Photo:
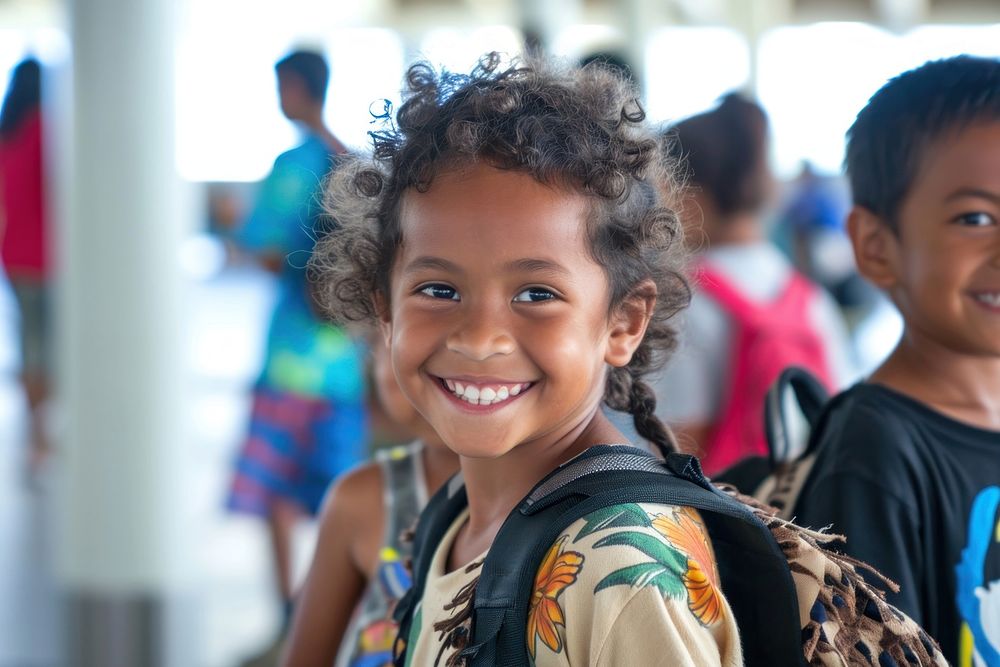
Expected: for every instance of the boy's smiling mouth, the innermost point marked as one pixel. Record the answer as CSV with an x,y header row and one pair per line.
x,y
483,393
991,299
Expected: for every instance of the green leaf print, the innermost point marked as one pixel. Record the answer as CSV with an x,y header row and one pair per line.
x,y
646,574
665,572
616,516
654,547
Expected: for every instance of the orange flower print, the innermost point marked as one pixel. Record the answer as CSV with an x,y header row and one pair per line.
x,y
684,529
557,572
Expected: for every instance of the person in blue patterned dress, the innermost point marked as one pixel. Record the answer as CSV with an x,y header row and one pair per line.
x,y
308,422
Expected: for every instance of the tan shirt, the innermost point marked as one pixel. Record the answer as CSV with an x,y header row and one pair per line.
x,y
633,585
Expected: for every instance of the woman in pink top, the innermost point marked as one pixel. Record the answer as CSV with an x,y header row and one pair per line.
x,y
752,314
23,235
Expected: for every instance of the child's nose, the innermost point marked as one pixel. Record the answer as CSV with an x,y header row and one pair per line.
x,y
481,333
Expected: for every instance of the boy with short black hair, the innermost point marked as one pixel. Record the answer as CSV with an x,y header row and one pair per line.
x,y
909,470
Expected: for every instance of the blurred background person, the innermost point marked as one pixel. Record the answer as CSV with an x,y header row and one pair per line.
x,y
752,313
810,227
308,422
24,249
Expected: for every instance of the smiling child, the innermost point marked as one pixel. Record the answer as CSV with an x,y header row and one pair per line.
x,y
513,241
912,471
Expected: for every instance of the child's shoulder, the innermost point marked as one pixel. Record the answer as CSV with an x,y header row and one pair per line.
x,y
618,551
355,493
629,564
868,414
360,493
876,433
873,414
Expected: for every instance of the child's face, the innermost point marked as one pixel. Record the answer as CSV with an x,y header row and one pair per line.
x,y
494,296
944,269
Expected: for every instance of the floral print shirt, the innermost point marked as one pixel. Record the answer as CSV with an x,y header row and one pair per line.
x,y
632,584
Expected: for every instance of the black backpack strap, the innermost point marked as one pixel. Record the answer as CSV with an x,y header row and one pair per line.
x,y
755,575
435,520
810,398
752,474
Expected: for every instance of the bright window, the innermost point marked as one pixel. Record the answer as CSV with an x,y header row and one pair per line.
x,y
814,79
229,125
577,41
689,69
459,49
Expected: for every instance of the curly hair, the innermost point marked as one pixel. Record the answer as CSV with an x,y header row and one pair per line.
x,y
578,129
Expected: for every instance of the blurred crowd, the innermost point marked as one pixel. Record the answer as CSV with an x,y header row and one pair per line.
x,y
777,282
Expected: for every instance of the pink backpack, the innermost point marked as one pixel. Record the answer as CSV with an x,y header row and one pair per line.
x,y
767,338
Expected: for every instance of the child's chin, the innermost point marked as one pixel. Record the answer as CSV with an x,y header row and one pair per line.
x,y
480,450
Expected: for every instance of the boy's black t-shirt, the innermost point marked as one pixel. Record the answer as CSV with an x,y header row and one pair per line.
x,y
918,496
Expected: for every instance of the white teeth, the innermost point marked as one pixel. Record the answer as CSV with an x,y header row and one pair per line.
x,y
992,299
486,395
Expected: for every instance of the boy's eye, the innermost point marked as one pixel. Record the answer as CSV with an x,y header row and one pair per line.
x,y
440,292
533,294
977,219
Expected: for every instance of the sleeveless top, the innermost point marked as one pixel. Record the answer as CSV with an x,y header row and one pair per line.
x,y
371,633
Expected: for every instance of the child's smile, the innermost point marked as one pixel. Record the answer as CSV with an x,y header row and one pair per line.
x,y
482,392
498,319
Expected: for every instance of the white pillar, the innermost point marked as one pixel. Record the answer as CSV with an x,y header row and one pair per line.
x,y
121,550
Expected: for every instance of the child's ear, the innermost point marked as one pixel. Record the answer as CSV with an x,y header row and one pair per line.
x,y
876,247
383,316
628,324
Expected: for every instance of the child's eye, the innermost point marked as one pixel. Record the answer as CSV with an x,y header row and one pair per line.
x,y
534,294
977,219
440,292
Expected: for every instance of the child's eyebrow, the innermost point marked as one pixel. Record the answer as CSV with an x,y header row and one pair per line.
x,y
429,262
534,265
979,193
525,265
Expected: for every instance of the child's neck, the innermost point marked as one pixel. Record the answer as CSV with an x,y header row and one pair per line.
x,y
961,386
496,486
439,463
739,229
